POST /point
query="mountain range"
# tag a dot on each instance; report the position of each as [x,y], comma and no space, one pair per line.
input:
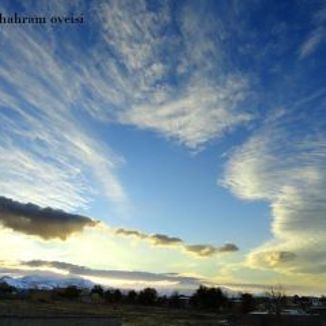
[45,282]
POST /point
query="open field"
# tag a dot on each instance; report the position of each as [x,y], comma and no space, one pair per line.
[21,312]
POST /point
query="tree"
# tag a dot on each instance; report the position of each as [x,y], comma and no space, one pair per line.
[277,298]
[98,289]
[117,295]
[296,299]
[147,297]
[208,298]
[113,296]
[108,296]
[131,297]
[248,303]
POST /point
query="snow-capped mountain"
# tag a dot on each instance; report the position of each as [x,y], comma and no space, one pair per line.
[45,282]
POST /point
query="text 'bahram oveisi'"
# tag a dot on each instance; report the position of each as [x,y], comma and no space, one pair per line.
[17,19]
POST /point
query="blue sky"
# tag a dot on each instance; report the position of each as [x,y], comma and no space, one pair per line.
[197,120]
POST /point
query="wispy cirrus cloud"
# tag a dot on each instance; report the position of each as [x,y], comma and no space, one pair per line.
[202,113]
[170,85]
[163,240]
[317,36]
[49,155]
[134,73]
[312,42]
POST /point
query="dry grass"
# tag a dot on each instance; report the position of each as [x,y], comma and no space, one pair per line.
[130,315]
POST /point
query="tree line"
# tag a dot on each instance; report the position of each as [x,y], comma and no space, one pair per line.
[204,298]
[208,298]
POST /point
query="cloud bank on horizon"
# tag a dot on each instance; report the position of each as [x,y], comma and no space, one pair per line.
[237,77]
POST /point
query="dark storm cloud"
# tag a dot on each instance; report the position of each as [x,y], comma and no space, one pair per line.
[47,223]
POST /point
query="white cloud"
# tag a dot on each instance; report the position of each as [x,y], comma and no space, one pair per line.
[135,73]
[48,157]
[284,165]
[312,42]
[177,85]
[200,114]
[316,37]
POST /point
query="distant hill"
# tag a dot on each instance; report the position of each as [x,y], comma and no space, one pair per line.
[45,282]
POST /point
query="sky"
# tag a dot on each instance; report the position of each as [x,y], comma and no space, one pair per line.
[165,143]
